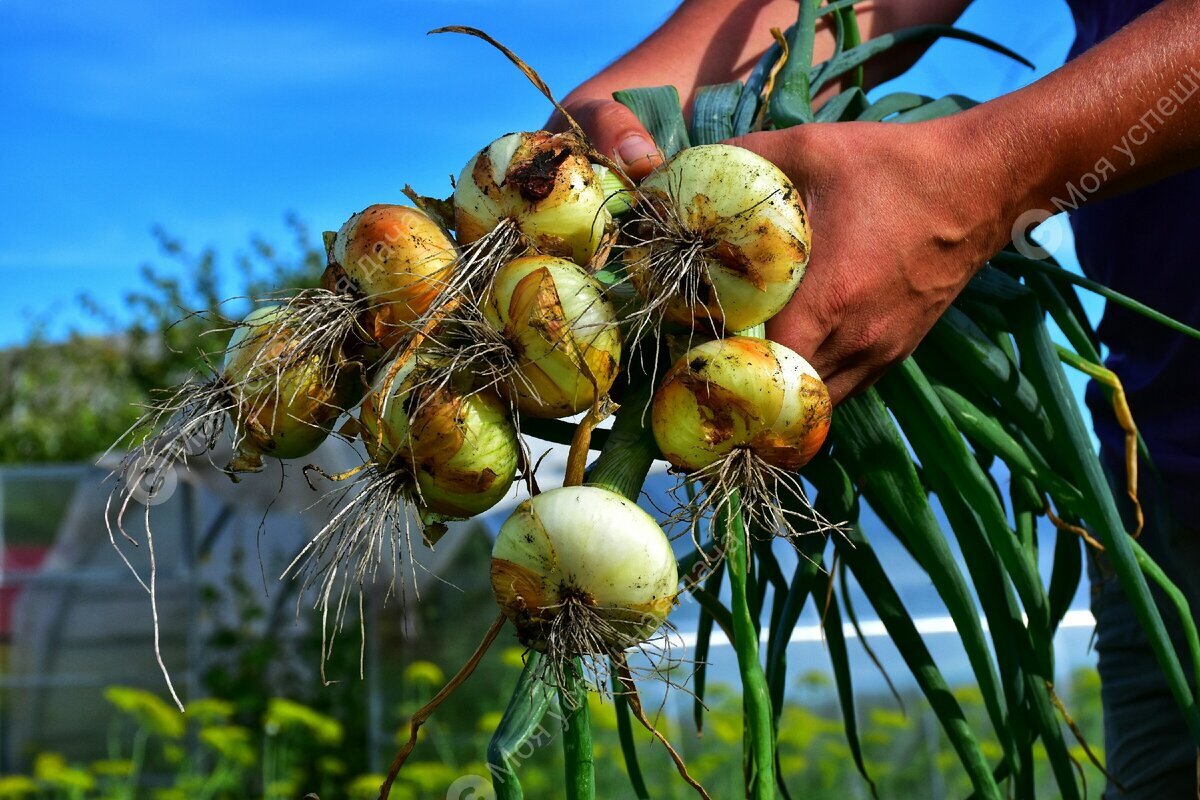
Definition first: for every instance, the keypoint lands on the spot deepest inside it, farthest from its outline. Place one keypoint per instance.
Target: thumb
(615, 131)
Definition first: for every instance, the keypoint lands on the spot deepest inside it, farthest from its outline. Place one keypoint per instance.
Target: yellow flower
(149, 710)
(210, 710)
(231, 742)
(288, 715)
(52, 769)
(424, 673)
(16, 787)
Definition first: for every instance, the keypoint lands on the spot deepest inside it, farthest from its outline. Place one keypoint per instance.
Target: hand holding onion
(904, 221)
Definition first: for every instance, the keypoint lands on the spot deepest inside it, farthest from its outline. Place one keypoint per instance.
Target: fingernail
(635, 148)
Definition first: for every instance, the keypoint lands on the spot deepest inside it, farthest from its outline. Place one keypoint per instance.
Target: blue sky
(214, 118)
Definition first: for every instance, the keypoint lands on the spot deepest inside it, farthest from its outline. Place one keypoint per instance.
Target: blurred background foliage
(290, 749)
(70, 399)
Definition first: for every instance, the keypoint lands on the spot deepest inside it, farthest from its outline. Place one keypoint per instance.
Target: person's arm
(716, 41)
(904, 215)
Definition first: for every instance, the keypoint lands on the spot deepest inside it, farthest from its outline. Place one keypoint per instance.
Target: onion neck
(630, 449)
(758, 331)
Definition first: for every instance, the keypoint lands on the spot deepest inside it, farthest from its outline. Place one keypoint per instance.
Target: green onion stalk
(759, 743)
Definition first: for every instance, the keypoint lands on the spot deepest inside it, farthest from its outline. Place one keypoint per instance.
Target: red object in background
(15, 560)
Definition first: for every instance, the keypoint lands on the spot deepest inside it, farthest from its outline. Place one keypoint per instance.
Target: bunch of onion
(739, 416)
(583, 573)
(718, 239)
(438, 449)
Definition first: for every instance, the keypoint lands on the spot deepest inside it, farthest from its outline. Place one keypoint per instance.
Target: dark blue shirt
(1146, 244)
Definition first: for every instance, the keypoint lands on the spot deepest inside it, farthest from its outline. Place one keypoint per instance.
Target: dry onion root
(583, 573)
(437, 451)
(740, 416)
(281, 403)
(719, 239)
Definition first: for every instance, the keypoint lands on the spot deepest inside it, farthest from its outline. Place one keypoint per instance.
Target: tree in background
(69, 400)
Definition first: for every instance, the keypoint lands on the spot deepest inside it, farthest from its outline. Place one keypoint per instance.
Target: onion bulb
(456, 448)
(437, 451)
(283, 400)
(544, 184)
(719, 236)
(397, 259)
(741, 393)
(582, 571)
(562, 330)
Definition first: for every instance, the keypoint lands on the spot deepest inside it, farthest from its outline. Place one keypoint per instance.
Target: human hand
(614, 131)
(902, 217)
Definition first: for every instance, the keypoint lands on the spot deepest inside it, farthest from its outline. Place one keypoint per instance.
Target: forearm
(716, 41)
(1123, 114)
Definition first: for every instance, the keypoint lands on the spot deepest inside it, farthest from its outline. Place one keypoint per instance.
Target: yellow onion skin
(397, 257)
(284, 416)
(562, 327)
(753, 225)
(741, 392)
(588, 544)
(544, 183)
(459, 447)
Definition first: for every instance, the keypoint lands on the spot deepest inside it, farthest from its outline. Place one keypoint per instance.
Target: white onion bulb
(562, 328)
(587, 551)
(398, 259)
(284, 402)
(458, 446)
